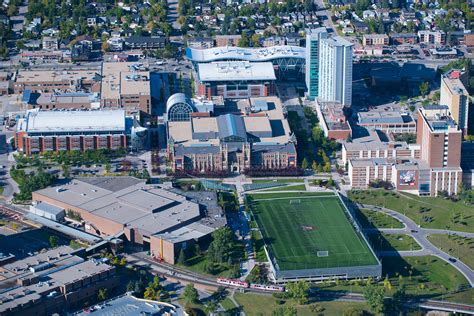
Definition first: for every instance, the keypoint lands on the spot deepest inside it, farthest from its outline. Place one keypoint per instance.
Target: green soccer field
(296, 228)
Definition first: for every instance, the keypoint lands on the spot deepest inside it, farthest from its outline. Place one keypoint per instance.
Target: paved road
(325, 16)
(173, 14)
(421, 237)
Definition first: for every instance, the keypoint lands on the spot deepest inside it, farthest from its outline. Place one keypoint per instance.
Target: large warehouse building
(288, 61)
(236, 79)
(158, 219)
(57, 131)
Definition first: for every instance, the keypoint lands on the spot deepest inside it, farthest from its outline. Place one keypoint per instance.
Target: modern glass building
(313, 38)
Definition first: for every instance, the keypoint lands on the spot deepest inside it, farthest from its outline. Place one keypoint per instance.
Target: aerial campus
(236, 157)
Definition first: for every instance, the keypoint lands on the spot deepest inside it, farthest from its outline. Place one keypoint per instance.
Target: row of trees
(28, 183)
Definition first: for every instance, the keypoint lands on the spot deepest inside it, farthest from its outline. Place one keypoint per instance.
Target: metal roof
(231, 125)
(75, 121)
(236, 70)
(247, 54)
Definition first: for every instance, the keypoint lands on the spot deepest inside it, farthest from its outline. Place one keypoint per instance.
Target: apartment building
(453, 93)
(313, 42)
(432, 37)
(335, 71)
(375, 39)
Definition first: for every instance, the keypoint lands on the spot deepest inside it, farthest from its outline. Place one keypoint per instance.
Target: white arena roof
(246, 54)
(235, 71)
(72, 121)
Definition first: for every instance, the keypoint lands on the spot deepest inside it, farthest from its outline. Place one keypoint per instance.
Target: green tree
(102, 294)
(298, 291)
(285, 311)
(305, 164)
(424, 88)
(375, 297)
(314, 166)
(130, 286)
(190, 294)
(221, 245)
(210, 307)
(66, 171)
(244, 40)
(53, 241)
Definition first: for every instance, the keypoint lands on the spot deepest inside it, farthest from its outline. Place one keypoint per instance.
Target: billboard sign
(407, 178)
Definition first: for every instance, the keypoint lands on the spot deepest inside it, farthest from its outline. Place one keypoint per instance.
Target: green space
(254, 304)
(373, 219)
(221, 258)
(227, 304)
(425, 276)
(430, 212)
(459, 247)
(258, 244)
(391, 242)
(296, 228)
(297, 187)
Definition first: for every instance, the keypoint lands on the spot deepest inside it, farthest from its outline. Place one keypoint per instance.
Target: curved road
(421, 237)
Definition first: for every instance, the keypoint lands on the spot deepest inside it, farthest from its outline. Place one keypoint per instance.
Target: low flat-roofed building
(373, 147)
(56, 80)
(403, 38)
(126, 85)
(128, 305)
(387, 121)
(374, 39)
(236, 79)
(138, 210)
(60, 291)
(332, 120)
(200, 42)
(145, 42)
(234, 142)
(48, 211)
(77, 100)
(56, 131)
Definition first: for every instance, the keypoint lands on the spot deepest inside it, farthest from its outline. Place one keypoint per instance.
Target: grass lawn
(200, 263)
(296, 228)
(258, 243)
(198, 309)
(254, 304)
(388, 242)
(459, 247)
(431, 212)
(298, 187)
(430, 277)
(278, 180)
(374, 219)
(228, 304)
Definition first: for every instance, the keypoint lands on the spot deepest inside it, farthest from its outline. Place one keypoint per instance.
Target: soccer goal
(323, 253)
(297, 201)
